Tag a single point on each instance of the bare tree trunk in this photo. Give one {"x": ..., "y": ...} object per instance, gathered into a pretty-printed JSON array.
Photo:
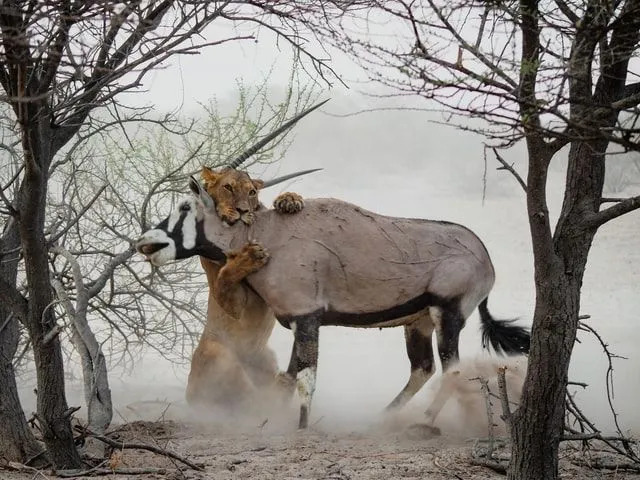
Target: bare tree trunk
[
  {"x": 52, "y": 411},
  {"x": 17, "y": 443},
  {"x": 536, "y": 432},
  {"x": 559, "y": 269}
]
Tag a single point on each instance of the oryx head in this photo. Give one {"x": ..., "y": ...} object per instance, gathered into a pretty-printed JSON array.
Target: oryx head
[{"x": 181, "y": 234}]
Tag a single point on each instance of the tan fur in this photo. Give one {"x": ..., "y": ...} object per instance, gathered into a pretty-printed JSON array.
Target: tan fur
[
  {"x": 459, "y": 388},
  {"x": 235, "y": 193},
  {"x": 288, "y": 202},
  {"x": 232, "y": 360}
]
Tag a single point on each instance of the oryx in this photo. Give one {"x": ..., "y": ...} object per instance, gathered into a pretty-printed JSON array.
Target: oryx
[{"x": 335, "y": 263}]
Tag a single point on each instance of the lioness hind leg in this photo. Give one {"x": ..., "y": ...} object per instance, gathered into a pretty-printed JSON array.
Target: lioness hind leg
[
  {"x": 217, "y": 377},
  {"x": 288, "y": 202},
  {"x": 240, "y": 263},
  {"x": 445, "y": 391}
]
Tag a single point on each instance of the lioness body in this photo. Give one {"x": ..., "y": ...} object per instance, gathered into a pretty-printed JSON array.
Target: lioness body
[{"x": 232, "y": 359}]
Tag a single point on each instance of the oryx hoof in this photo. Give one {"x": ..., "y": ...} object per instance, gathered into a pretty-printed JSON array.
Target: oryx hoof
[{"x": 288, "y": 202}]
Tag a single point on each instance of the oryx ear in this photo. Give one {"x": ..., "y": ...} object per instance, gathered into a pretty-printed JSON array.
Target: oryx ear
[{"x": 201, "y": 193}]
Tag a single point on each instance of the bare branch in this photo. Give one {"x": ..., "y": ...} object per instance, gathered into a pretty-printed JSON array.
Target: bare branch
[
  {"x": 139, "y": 446},
  {"x": 13, "y": 300},
  {"x": 504, "y": 399},
  {"x": 620, "y": 208},
  {"x": 510, "y": 169}
]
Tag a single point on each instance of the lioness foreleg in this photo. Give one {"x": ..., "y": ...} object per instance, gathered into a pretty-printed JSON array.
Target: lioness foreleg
[{"x": 240, "y": 263}]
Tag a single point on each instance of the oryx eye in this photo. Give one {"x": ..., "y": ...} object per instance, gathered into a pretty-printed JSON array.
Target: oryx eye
[
  {"x": 185, "y": 207},
  {"x": 252, "y": 193},
  {"x": 229, "y": 187}
]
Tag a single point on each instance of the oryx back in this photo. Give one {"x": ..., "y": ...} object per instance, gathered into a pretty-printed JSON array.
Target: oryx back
[{"x": 348, "y": 261}]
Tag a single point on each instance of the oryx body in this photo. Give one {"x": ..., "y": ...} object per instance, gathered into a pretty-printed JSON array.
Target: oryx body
[{"x": 335, "y": 263}]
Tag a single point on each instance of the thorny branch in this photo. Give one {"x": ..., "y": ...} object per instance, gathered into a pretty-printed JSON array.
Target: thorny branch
[{"x": 138, "y": 446}]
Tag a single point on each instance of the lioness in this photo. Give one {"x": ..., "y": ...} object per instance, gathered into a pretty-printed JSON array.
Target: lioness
[{"x": 232, "y": 358}]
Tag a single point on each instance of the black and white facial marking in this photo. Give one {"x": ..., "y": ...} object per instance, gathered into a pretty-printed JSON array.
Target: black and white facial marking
[{"x": 180, "y": 235}]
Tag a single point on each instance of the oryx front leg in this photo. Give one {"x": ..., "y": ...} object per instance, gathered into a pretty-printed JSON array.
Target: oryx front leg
[{"x": 306, "y": 332}]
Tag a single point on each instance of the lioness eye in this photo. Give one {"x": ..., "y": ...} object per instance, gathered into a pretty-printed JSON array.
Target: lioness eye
[
  {"x": 229, "y": 187},
  {"x": 185, "y": 207},
  {"x": 252, "y": 192}
]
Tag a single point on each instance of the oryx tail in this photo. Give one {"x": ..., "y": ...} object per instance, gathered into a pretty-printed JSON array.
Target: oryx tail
[{"x": 501, "y": 335}]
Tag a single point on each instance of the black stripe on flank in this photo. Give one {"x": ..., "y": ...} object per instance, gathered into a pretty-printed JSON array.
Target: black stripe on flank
[{"x": 348, "y": 319}]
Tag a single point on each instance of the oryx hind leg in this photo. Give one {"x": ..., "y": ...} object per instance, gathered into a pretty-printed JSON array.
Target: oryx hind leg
[
  {"x": 418, "y": 342},
  {"x": 448, "y": 322}
]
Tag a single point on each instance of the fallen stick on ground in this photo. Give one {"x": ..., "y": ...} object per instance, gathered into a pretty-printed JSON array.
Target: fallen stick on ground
[{"x": 139, "y": 446}]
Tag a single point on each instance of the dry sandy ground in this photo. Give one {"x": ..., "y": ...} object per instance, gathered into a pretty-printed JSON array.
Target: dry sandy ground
[{"x": 260, "y": 453}]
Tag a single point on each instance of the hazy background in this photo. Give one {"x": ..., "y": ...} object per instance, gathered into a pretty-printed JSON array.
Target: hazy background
[{"x": 399, "y": 163}]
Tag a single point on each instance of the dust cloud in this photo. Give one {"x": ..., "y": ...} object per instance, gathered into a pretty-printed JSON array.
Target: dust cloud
[{"x": 397, "y": 163}]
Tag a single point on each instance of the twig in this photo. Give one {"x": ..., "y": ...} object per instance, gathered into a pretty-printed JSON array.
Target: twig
[
  {"x": 19, "y": 467},
  {"x": 51, "y": 334},
  {"x": 492, "y": 464},
  {"x": 510, "y": 169},
  {"x": 504, "y": 399},
  {"x": 594, "y": 436},
  {"x": 596, "y": 463},
  {"x": 6, "y": 322},
  {"x": 138, "y": 446},
  {"x": 583, "y": 420},
  {"x": 108, "y": 471},
  {"x": 578, "y": 384},
  {"x": 609, "y": 383},
  {"x": 484, "y": 388}
]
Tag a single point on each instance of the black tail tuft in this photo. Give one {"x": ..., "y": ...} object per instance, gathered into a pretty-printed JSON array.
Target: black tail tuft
[{"x": 503, "y": 337}]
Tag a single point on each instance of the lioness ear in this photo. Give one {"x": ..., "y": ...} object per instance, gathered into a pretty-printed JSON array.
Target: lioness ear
[
  {"x": 209, "y": 176},
  {"x": 258, "y": 184}
]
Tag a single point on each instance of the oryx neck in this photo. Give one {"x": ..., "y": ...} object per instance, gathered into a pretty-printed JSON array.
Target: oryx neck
[{"x": 223, "y": 236}]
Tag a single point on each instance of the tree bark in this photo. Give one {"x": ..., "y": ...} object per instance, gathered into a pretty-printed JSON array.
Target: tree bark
[
  {"x": 559, "y": 272},
  {"x": 52, "y": 410},
  {"x": 17, "y": 443}
]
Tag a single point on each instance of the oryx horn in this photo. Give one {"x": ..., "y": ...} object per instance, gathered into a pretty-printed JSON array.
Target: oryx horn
[
  {"x": 285, "y": 126},
  {"x": 275, "y": 181}
]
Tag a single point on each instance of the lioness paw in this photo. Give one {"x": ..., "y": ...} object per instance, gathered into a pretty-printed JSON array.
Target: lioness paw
[
  {"x": 284, "y": 384},
  {"x": 288, "y": 202},
  {"x": 248, "y": 218},
  {"x": 256, "y": 253},
  {"x": 229, "y": 215}
]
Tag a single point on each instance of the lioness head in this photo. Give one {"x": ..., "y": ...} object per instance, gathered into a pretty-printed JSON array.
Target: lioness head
[{"x": 234, "y": 193}]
